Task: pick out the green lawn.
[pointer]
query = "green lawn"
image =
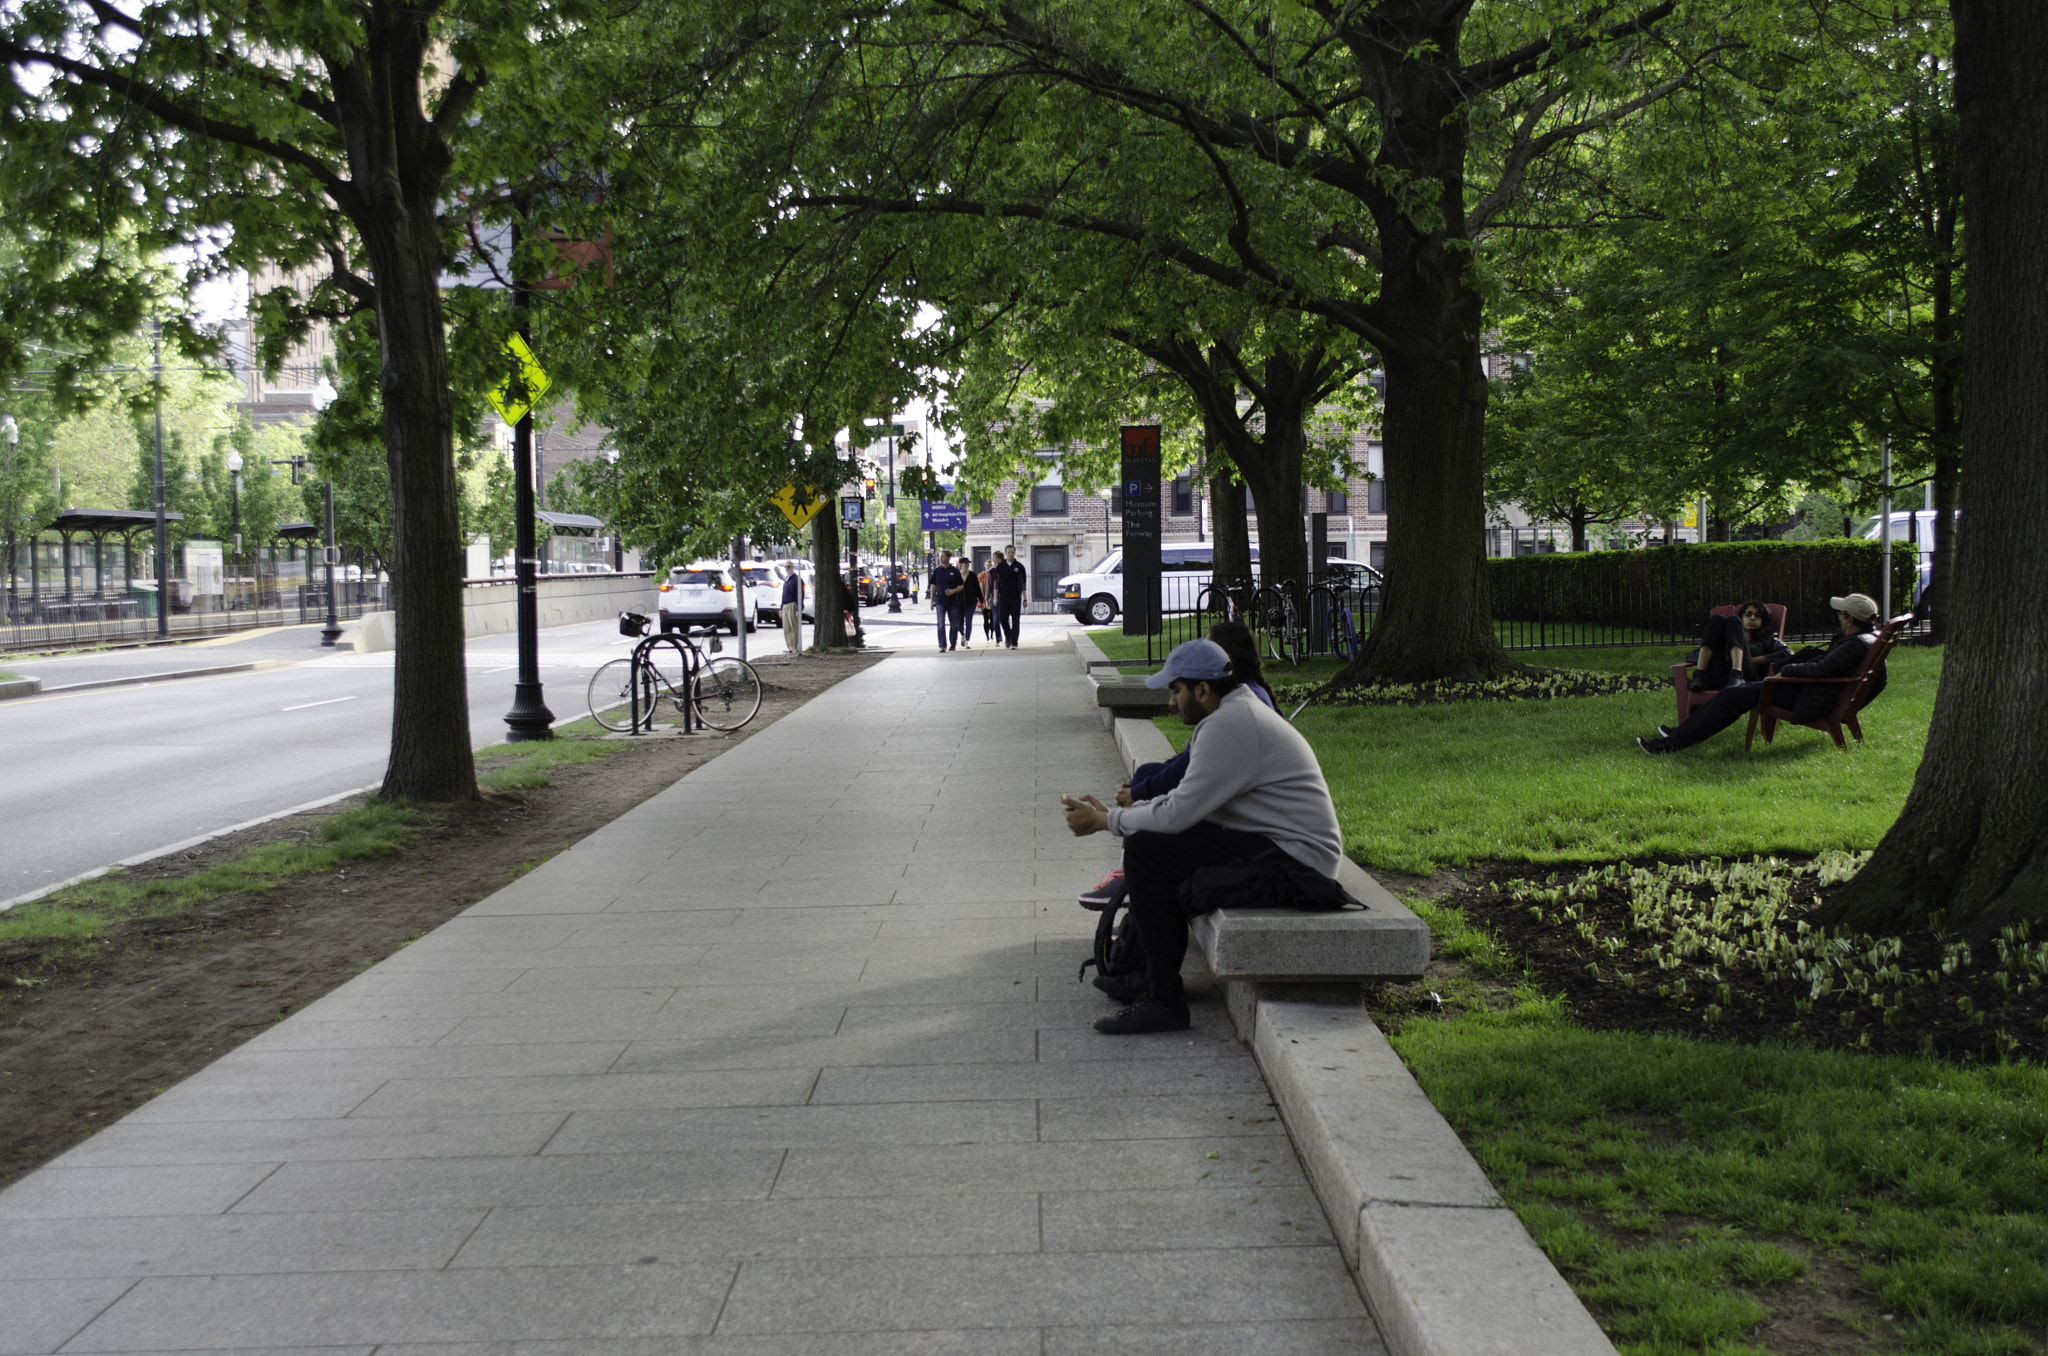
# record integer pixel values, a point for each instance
(1685, 1187)
(1562, 780)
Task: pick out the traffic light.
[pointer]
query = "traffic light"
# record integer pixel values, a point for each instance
(871, 487)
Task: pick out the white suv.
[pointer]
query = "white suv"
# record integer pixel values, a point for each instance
(700, 595)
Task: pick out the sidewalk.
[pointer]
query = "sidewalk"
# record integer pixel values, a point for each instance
(789, 1059)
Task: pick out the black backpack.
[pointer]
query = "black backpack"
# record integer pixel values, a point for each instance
(1116, 943)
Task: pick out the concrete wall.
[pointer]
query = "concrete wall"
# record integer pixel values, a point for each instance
(488, 606)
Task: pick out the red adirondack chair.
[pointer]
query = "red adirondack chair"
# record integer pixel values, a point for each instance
(1689, 700)
(1850, 696)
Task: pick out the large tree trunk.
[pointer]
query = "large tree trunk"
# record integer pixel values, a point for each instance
(1232, 532)
(1435, 620)
(1973, 839)
(1947, 462)
(430, 746)
(829, 606)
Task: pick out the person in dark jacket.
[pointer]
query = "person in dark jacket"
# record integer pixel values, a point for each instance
(944, 587)
(1858, 617)
(965, 604)
(1006, 580)
(1738, 649)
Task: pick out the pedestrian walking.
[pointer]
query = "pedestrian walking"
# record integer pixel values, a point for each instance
(988, 596)
(793, 612)
(968, 605)
(944, 583)
(1006, 581)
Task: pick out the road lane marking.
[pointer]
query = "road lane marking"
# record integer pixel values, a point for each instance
(305, 706)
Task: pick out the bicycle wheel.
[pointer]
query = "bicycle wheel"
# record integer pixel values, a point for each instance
(1267, 618)
(611, 696)
(727, 692)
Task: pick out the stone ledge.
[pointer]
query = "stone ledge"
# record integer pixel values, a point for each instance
(1447, 1270)
(20, 687)
(1282, 945)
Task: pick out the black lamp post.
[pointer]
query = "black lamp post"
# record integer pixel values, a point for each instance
(529, 718)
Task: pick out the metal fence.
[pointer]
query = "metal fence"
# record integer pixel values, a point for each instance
(1657, 596)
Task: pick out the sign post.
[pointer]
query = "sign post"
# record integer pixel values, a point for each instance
(1141, 531)
(852, 511)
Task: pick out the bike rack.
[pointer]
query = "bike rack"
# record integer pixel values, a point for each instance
(633, 624)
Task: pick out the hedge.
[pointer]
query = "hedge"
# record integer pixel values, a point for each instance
(1672, 588)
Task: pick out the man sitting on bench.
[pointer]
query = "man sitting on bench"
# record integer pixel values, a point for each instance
(1252, 785)
(1809, 701)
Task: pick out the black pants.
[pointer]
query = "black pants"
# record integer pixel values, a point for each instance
(1155, 864)
(988, 623)
(1006, 618)
(1722, 635)
(1729, 705)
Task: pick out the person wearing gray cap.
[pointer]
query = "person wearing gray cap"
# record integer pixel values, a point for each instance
(1857, 616)
(1252, 786)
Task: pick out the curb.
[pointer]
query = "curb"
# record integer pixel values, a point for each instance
(1446, 1269)
(140, 678)
(20, 687)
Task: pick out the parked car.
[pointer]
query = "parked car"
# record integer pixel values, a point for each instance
(700, 595)
(764, 591)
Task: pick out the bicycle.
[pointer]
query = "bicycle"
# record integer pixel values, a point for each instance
(722, 693)
(1334, 596)
(1275, 622)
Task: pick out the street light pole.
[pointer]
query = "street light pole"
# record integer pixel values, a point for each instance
(529, 718)
(330, 632)
(235, 516)
(163, 531)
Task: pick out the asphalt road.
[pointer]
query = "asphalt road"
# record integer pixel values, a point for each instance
(92, 777)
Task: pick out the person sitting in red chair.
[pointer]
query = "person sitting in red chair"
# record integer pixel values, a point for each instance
(1842, 658)
(1738, 649)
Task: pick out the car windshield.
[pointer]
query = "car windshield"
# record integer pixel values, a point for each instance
(759, 577)
(1103, 565)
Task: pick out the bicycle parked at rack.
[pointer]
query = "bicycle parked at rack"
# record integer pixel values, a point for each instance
(1331, 597)
(671, 671)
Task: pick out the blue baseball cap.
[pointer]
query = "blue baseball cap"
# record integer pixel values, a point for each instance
(1194, 661)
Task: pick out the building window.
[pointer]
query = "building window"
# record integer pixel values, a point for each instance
(1183, 497)
(1376, 492)
(984, 508)
(1376, 556)
(1116, 501)
(1337, 501)
(1048, 501)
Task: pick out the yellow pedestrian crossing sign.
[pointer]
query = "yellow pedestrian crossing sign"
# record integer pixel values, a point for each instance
(527, 375)
(799, 504)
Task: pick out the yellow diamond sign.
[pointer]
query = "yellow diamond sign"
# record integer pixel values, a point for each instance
(522, 389)
(799, 503)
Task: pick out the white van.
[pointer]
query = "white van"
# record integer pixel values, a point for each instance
(1096, 595)
(1912, 530)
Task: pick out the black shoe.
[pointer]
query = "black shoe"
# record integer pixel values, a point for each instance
(1665, 731)
(1125, 989)
(1648, 745)
(1144, 1018)
(1695, 683)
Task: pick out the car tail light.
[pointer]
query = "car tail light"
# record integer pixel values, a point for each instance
(665, 586)
(724, 587)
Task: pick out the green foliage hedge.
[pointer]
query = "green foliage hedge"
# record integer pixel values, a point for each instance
(1674, 587)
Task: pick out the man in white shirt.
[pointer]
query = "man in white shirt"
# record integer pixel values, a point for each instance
(1253, 785)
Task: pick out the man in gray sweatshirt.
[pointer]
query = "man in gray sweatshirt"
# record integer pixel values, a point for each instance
(1253, 785)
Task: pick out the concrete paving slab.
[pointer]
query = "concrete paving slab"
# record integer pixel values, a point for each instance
(114, 1192)
(200, 1245)
(728, 1173)
(41, 1315)
(1038, 1290)
(1163, 1116)
(134, 1144)
(293, 1309)
(781, 1127)
(1075, 1078)
(598, 1092)
(1311, 1337)
(951, 1342)
(1137, 1221)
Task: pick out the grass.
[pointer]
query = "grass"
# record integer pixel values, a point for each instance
(524, 766)
(80, 913)
(1683, 1185)
(1562, 781)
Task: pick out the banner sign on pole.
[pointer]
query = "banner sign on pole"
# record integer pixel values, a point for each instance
(1141, 529)
(943, 517)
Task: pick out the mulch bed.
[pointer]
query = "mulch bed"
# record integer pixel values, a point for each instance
(1986, 1008)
